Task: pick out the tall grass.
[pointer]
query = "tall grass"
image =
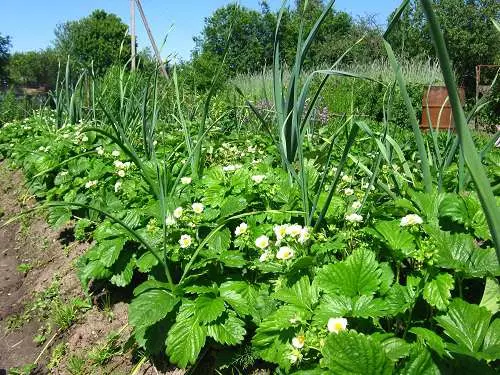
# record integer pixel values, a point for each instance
(424, 72)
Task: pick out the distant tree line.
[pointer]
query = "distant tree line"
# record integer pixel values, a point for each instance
(96, 43)
(240, 40)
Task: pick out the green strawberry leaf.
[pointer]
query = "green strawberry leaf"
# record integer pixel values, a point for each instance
(354, 353)
(420, 363)
(437, 292)
(187, 337)
(396, 238)
(241, 295)
(359, 274)
(232, 205)
(209, 308)
(150, 307)
(491, 345)
(301, 294)
(227, 330)
(429, 338)
(146, 262)
(466, 324)
(491, 295)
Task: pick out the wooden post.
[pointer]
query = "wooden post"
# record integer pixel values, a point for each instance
(151, 39)
(132, 33)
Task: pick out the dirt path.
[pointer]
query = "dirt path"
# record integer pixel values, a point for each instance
(13, 348)
(37, 273)
(32, 258)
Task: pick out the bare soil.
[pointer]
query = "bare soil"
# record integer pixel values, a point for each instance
(51, 255)
(30, 241)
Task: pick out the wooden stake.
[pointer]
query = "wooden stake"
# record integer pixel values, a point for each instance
(151, 39)
(132, 33)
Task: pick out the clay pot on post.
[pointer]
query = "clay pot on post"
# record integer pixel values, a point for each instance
(436, 108)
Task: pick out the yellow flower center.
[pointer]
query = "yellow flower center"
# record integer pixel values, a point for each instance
(339, 326)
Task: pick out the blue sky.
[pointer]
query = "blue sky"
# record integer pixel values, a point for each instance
(31, 23)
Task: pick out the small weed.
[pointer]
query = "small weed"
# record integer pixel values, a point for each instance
(107, 308)
(42, 333)
(22, 370)
(16, 321)
(42, 303)
(66, 250)
(39, 338)
(57, 355)
(45, 245)
(76, 365)
(24, 267)
(82, 229)
(25, 225)
(40, 306)
(65, 314)
(104, 352)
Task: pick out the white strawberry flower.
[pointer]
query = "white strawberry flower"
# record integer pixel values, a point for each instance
(336, 325)
(186, 180)
(258, 178)
(280, 231)
(121, 173)
(185, 241)
(410, 220)
(115, 153)
(170, 220)
(304, 235)
(294, 230)
(265, 256)
(348, 192)
(178, 212)
(90, 184)
(118, 186)
(119, 164)
(354, 218)
(197, 208)
(356, 205)
(285, 253)
(241, 229)
(298, 341)
(262, 242)
(231, 168)
(346, 178)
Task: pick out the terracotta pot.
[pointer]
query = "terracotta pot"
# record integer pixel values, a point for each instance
(436, 108)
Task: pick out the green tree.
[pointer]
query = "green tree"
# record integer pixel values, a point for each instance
(338, 33)
(250, 46)
(469, 33)
(100, 39)
(250, 38)
(4, 57)
(34, 68)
